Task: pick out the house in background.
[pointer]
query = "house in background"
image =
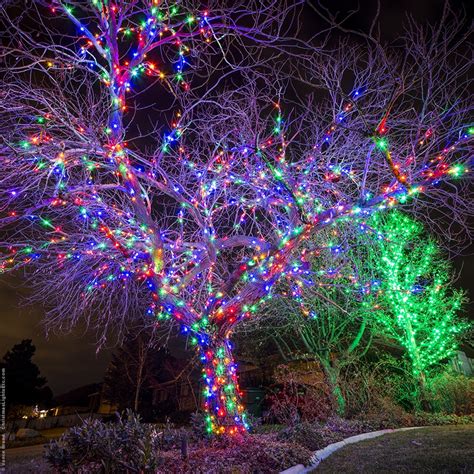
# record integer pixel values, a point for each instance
(99, 404)
(184, 393)
(74, 401)
(85, 399)
(463, 361)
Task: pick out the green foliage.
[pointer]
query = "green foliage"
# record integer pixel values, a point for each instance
(199, 425)
(450, 393)
(385, 395)
(439, 419)
(125, 446)
(382, 393)
(415, 304)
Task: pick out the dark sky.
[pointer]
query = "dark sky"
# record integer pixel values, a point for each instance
(69, 361)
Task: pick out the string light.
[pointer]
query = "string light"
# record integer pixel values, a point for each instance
(415, 304)
(123, 240)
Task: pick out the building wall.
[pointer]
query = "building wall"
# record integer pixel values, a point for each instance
(463, 364)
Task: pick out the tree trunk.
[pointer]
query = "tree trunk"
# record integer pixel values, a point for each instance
(339, 398)
(222, 396)
(425, 403)
(332, 378)
(417, 371)
(137, 389)
(141, 361)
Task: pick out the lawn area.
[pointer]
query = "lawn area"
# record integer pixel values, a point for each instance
(53, 433)
(46, 436)
(440, 449)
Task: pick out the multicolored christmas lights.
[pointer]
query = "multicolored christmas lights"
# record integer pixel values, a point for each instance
(201, 235)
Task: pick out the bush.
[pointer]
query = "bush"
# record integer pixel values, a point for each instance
(282, 455)
(437, 419)
(131, 446)
(125, 446)
(199, 425)
(387, 414)
(302, 395)
(450, 393)
(379, 394)
(348, 428)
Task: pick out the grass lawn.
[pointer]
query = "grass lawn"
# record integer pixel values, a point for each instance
(440, 449)
(46, 436)
(53, 433)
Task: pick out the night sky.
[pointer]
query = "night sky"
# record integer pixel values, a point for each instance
(69, 361)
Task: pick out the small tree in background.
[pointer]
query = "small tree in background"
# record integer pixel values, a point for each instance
(140, 363)
(24, 385)
(329, 328)
(321, 321)
(416, 304)
(130, 370)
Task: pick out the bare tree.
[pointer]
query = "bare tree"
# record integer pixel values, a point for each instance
(322, 316)
(162, 159)
(131, 370)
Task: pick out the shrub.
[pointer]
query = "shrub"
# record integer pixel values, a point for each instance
(283, 407)
(254, 422)
(437, 419)
(301, 395)
(387, 414)
(125, 446)
(379, 394)
(171, 437)
(316, 436)
(283, 455)
(450, 393)
(348, 428)
(198, 425)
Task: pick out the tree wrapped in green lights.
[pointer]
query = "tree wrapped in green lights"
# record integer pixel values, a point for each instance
(415, 303)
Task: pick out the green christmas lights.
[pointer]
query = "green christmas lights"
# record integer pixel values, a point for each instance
(415, 304)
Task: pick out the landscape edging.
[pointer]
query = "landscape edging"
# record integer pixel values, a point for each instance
(322, 454)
